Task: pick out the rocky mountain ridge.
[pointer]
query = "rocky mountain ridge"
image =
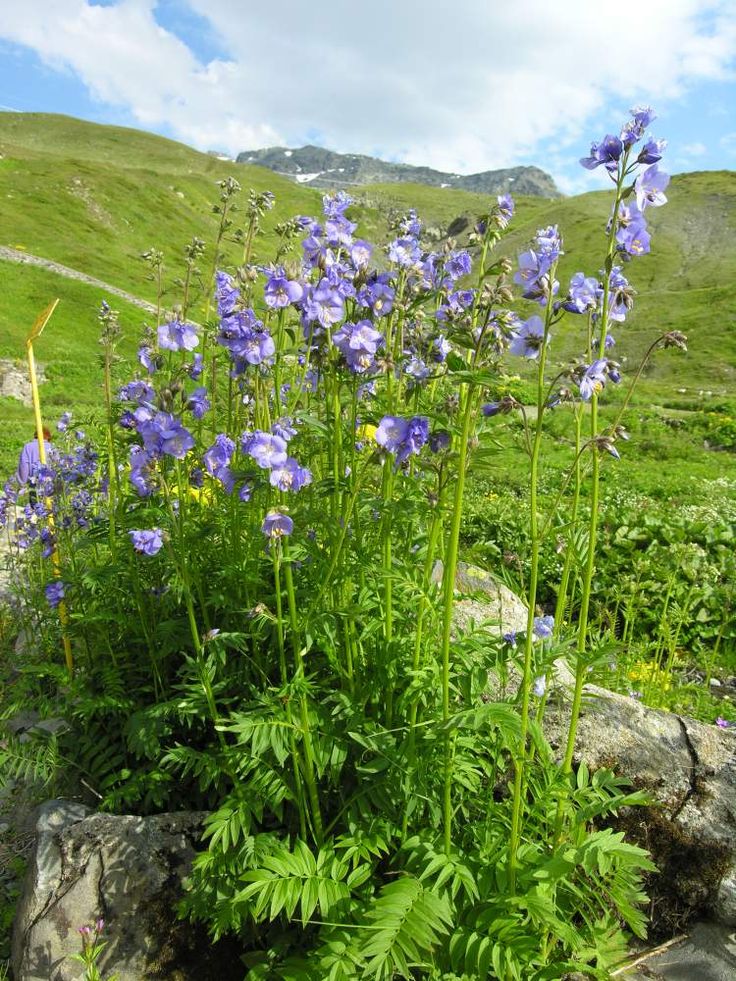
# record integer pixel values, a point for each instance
(314, 166)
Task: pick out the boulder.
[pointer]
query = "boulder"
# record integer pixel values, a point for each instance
(127, 871)
(689, 770)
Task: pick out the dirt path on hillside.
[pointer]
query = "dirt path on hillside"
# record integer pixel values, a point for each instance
(25, 258)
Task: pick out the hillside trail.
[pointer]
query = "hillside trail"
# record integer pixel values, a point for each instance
(26, 258)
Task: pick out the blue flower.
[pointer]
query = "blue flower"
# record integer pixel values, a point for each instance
(147, 541)
(402, 437)
(177, 336)
(55, 592)
(528, 338)
(543, 627)
(198, 403)
(276, 524)
(289, 476)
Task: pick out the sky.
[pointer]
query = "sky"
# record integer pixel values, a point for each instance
(459, 85)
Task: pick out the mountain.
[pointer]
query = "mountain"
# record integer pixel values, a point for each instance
(316, 167)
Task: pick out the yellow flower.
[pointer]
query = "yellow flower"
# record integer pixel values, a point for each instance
(367, 432)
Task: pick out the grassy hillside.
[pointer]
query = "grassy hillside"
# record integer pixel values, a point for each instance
(95, 197)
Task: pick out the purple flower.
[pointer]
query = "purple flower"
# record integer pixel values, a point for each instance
(63, 424)
(622, 296)
(148, 541)
(607, 152)
(632, 236)
(335, 205)
(198, 403)
(164, 433)
(404, 252)
(280, 291)
(439, 441)
(379, 296)
(217, 460)
(226, 293)
(265, 449)
(410, 224)
(583, 295)
(147, 357)
(528, 338)
(137, 391)
(246, 340)
(539, 687)
(723, 723)
(652, 151)
(142, 465)
(323, 304)
(458, 264)
(339, 232)
(197, 367)
(543, 627)
(55, 592)
(510, 638)
(649, 186)
(289, 476)
(536, 265)
(402, 437)
(358, 344)
(177, 336)
(285, 428)
(506, 208)
(633, 130)
(276, 524)
(442, 348)
(594, 379)
(360, 254)
(245, 492)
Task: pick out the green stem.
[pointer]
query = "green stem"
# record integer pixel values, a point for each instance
(309, 776)
(448, 591)
(521, 756)
(295, 757)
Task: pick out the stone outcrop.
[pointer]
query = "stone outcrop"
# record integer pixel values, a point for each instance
(126, 870)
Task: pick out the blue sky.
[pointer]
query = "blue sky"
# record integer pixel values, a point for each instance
(487, 85)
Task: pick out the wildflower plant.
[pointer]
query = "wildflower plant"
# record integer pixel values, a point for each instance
(251, 571)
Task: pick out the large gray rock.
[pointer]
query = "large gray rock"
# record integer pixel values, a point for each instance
(126, 870)
(689, 769)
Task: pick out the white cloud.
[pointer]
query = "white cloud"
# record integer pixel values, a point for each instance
(728, 143)
(689, 150)
(464, 87)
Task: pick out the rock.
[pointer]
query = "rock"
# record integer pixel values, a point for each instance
(689, 769)
(483, 599)
(14, 380)
(707, 954)
(126, 870)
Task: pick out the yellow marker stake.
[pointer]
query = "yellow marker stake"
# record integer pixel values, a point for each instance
(36, 330)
